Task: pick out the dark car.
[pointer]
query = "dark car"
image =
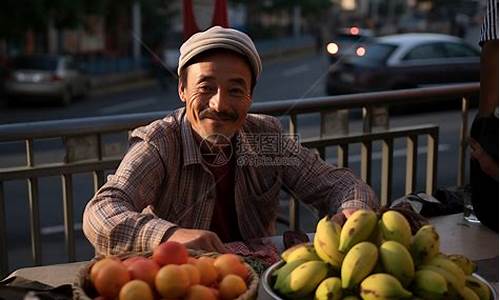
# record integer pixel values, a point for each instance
(405, 61)
(46, 76)
(346, 42)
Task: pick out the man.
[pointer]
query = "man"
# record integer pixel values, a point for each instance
(188, 178)
(484, 129)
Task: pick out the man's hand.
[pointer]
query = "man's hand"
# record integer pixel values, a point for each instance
(342, 216)
(198, 239)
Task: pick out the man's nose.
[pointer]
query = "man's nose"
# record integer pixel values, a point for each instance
(219, 101)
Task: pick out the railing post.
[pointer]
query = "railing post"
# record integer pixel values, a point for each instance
(334, 122)
(293, 202)
(411, 164)
(98, 175)
(367, 119)
(34, 208)
(366, 161)
(463, 142)
(343, 155)
(4, 259)
(432, 160)
(69, 230)
(387, 159)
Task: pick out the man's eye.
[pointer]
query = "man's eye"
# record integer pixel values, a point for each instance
(236, 92)
(206, 89)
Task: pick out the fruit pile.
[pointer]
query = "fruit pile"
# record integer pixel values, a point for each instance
(372, 258)
(170, 273)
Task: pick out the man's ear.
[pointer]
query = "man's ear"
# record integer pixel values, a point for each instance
(181, 91)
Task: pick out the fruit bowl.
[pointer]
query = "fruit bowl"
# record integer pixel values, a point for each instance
(267, 293)
(84, 290)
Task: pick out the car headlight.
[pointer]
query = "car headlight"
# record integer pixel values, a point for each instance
(332, 48)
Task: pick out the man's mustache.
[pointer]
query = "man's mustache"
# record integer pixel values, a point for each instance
(222, 115)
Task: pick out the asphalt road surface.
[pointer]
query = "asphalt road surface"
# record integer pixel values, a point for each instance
(290, 78)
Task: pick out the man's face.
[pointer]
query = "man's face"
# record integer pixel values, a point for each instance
(217, 93)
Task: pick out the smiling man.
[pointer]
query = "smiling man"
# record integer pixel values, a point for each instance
(210, 173)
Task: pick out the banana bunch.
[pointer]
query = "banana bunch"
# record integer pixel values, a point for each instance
(373, 257)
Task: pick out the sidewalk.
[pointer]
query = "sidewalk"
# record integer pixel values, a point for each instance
(269, 50)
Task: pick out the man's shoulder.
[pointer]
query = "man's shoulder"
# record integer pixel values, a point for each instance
(262, 123)
(169, 126)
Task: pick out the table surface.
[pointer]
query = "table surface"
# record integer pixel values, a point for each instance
(457, 236)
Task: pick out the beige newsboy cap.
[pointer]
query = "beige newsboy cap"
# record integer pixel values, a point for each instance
(220, 37)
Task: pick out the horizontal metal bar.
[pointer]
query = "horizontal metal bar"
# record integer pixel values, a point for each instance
(365, 137)
(57, 169)
(46, 129)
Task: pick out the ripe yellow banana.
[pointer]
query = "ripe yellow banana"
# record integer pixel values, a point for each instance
(454, 286)
(395, 227)
(283, 272)
(430, 285)
(469, 294)
(424, 245)
(358, 263)
(326, 243)
(397, 261)
(481, 289)
(300, 252)
(357, 228)
(464, 263)
(304, 279)
(382, 286)
(445, 263)
(329, 289)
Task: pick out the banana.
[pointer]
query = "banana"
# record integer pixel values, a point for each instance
(300, 252)
(329, 289)
(304, 279)
(481, 289)
(424, 245)
(469, 294)
(395, 227)
(454, 286)
(382, 286)
(326, 243)
(357, 228)
(397, 261)
(358, 263)
(430, 285)
(283, 272)
(445, 263)
(464, 263)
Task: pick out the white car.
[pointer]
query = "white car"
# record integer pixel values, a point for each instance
(46, 76)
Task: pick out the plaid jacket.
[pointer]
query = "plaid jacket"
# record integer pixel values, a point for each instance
(162, 183)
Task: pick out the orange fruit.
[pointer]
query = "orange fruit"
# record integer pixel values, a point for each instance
(200, 292)
(143, 269)
(136, 290)
(172, 281)
(193, 273)
(231, 287)
(110, 279)
(208, 273)
(97, 266)
(170, 252)
(231, 264)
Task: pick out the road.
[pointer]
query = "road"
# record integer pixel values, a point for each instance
(293, 77)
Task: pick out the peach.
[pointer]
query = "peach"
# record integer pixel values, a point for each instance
(143, 269)
(200, 292)
(110, 279)
(172, 281)
(231, 264)
(231, 287)
(193, 273)
(136, 289)
(97, 266)
(208, 273)
(170, 252)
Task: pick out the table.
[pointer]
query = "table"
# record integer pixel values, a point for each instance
(457, 236)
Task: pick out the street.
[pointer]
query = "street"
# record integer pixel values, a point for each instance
(288, 78)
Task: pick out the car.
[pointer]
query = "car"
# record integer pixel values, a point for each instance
(54, 77)
(404, 61)
(346, 42)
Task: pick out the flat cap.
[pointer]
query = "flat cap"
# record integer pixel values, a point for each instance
(220, 37)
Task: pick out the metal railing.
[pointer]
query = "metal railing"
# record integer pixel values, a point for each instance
(91, 130)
